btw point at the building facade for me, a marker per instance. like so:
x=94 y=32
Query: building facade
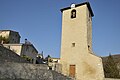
x=54 y=64
x=40 y=58
x=77 y=58
x=10 y=36
x=23 y=49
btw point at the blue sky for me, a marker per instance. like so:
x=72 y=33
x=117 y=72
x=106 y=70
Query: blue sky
x=40 y=22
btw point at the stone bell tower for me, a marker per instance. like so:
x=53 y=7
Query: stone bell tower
x=77 y=58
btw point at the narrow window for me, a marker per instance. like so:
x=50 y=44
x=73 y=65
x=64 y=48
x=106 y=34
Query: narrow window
x=89 y=48
x=73 y=13
x=73 y=44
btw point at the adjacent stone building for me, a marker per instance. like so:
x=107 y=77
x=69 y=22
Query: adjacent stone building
x=77 y=58
x=54 y=64
x=11 y=40
x=23 y=49
x=11 y=36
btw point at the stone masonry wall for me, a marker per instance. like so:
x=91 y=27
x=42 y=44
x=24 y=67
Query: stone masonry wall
x=13 y=67
x=11 y=70
x=26 y=71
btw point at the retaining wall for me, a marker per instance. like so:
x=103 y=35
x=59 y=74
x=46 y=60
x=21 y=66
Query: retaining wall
x=26 y=71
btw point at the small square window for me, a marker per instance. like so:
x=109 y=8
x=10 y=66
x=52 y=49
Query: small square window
x=73 y=44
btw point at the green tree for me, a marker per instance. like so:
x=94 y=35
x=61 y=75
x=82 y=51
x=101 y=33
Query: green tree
x=4 y=39
x=46 y=59
x=110 y=68
x=0 y=39
x=27 y=58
